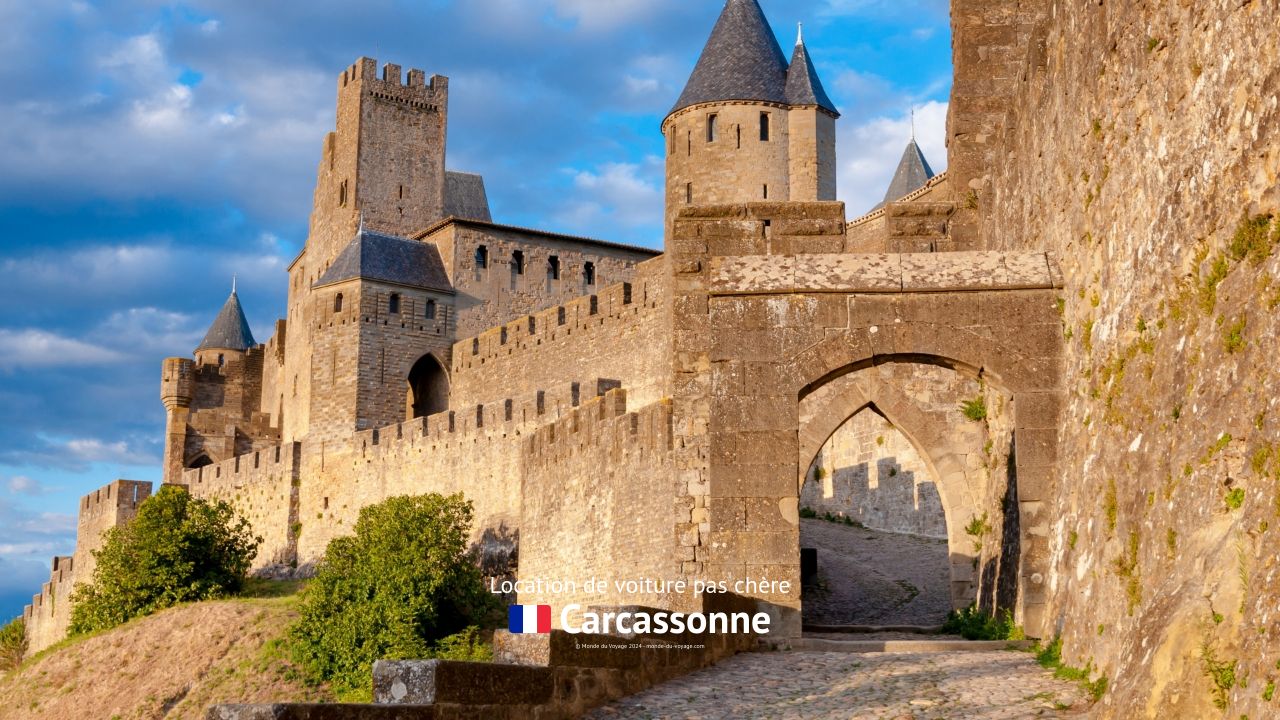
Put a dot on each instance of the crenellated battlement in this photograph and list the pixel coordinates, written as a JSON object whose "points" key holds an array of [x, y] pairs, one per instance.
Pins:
{"points": [[604, 311], [414, 89], [236, 471], [113, 500]]}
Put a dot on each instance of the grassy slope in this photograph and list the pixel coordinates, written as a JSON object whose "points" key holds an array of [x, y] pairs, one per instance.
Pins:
{"points": [[171, 665]]}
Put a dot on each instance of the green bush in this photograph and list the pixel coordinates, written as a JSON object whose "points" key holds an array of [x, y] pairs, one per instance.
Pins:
{"points": [[402, 587], [974, 624], [177, 549], [13, 644]]}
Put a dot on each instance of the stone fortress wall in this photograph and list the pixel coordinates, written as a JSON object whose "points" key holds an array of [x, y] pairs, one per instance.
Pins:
{"points": [[1115, 164], [1140, 143]]}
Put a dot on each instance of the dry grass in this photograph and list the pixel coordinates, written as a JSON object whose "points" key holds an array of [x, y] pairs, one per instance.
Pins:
{"points": [[171, 665]]}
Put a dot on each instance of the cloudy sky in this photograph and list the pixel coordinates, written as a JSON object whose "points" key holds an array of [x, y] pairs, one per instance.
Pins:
{"points": [[149, 150]]}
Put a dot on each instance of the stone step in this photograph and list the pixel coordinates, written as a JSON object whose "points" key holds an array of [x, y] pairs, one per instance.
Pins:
{"points": [[921, 629], [903, 646]]}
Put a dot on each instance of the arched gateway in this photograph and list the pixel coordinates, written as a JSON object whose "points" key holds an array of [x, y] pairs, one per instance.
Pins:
{"points": [[769, 309]]}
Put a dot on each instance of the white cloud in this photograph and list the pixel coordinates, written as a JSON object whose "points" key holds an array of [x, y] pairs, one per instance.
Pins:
{"points": [[92, 450], [167, 111], [23, 485], [150, 331], [629, 195], [31, 348], [869, 153]]}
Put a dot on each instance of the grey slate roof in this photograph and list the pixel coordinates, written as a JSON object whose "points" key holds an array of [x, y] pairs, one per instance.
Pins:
{"points": [[230, 330], [912, 173], [464, 196], [386, 258], [741, 60], [803, 85]]}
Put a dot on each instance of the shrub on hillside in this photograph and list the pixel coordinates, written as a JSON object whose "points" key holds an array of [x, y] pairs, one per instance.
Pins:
{"points": [[177, 549], [13, 644], [402, 587]]}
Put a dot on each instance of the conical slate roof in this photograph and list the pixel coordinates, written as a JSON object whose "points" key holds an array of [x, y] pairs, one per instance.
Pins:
{"points": [[386, 258], [912, 173], [741, 60], [230, 330], [803, 85]]}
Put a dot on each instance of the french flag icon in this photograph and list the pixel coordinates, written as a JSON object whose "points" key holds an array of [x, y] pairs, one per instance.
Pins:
{"points": [[529, 619]]}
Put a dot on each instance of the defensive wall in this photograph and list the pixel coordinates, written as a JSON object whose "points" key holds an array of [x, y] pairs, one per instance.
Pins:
{"points": [[49, 614], [1140, 143], [619, 333]]}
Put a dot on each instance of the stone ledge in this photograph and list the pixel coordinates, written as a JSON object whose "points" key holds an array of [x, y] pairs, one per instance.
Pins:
{"points": [[303, 711], [428, 682], [881, 273]]}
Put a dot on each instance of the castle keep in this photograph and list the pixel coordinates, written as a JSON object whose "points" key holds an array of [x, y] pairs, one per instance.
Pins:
{"points": [[1078, 273]]}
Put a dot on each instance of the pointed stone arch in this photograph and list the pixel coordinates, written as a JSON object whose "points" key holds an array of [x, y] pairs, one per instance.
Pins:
{"points": [[428, 391]]}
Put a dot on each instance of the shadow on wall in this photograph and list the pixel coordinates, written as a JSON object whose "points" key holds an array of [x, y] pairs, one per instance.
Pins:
{"points": [[998, 581], [498, 554], [893, 501]]}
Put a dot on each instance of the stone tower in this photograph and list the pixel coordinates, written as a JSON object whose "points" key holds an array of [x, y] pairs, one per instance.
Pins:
{"points": [[384, 168], [750, 126]]}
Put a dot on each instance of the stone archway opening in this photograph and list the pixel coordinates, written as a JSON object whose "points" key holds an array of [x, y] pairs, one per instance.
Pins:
{"points": [[871, 514], [428, 388], [903, 495]]}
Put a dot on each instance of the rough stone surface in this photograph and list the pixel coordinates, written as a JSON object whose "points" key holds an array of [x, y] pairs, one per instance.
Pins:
{"points": [[821, 685]]}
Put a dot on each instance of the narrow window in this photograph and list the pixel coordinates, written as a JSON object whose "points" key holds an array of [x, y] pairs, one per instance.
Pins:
{"points": [[401, 192], [764, 127], [766, 192], [431, 309], [671, 141], [326, 503], [553, 268], [517, 262], [688, 140], [711, 128], [393, 304], [589, 273], [342, 193], [337, 303], [482, 257], [739, 130], [221, 360], [688, 193]]}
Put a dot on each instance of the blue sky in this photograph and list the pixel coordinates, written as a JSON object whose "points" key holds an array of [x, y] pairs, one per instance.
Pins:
{"points": [[149, 150]]}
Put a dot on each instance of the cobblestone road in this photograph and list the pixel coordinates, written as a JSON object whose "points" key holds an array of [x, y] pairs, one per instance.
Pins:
{"points": [[1001, 685]]}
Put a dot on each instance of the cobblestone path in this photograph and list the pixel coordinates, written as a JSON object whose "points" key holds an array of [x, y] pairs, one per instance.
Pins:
{"points": [[1002, 685]]}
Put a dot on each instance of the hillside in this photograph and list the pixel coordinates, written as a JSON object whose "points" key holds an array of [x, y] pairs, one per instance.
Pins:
{"points": [[171, 665]]}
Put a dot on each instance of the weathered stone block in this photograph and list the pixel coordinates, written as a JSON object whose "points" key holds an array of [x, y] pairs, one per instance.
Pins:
{"points": [[426, 682]]}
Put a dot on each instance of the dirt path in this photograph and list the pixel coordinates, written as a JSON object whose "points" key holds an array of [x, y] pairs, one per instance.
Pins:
{"points": [[867, 577]]}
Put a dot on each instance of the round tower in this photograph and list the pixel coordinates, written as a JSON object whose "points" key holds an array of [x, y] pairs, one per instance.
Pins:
{"points": [[749, 126]]}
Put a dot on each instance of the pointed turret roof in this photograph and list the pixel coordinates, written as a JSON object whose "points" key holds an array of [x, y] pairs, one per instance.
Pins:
{"points": [[230, 330], [803, 85], [741, 60], [912, 173]]}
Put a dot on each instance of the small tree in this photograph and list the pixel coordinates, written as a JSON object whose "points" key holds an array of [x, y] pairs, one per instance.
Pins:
{"points": [[401, 587], [177, 549], [13, 644]]}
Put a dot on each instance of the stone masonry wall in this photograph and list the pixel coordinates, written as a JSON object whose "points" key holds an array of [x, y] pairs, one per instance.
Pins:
{"points": [[870, 472], [1142, 147], [262, 486], [49, 615], [597, 501], [619, 333], [506, 288]]}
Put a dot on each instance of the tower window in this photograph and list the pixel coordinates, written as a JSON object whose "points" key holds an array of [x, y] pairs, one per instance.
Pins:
{"points": [[517, 262], [431, 309], [221, 360], [553, 268], [688, 140], [738, 128], [711, 128], [393, 304], [671, 141], [482, 257], [764, 127], [342, 193], [589, 273], [337, 303], [766, 192], [688, 193]]}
